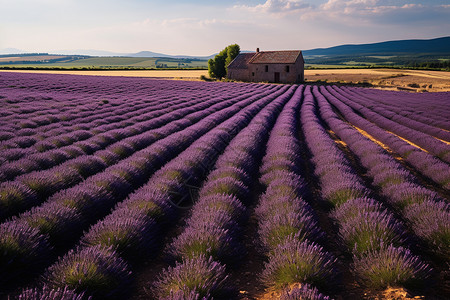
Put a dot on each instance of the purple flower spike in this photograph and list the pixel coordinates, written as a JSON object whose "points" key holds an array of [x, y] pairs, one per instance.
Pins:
{"points": [[98, 271], [405, 194], [391, 266], [131, 234], [281, 226], [61, 223], [225, 186], [370, 230], [299, 262], [227, 203], [15, 197], [22, 249], [202, 276], [355, 207], [303, 292], [47, 293], [431, 222], [210, 241]]}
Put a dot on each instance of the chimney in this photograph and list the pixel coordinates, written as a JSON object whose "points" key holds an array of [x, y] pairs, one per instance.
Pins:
{"points": [[257, 50]]}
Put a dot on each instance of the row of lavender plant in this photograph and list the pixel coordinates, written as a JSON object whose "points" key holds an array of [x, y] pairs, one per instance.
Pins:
{"points": [[29, 142], [288, 227], [425, 141], [28, 190], [386, 110], [99, 121], [53, 122], [98, 125], [21, 161], [212, 237], [413, 106], [63, 215], [426, 163], [427, 214], [138, 125], [131, 230], [371, 232], [70, 106]]}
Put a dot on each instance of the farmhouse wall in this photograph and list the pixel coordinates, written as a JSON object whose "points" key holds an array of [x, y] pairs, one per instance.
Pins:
{"points": [[238, 74], [258, 73]]}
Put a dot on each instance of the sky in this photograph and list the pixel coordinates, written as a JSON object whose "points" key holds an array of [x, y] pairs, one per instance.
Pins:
{"points": [[204, 27]]}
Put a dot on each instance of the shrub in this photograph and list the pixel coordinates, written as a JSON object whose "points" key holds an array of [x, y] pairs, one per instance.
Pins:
{"points": [[23, 250], [15, 197], [299, 262], [281, 226], [131, 234], [96, 270], [390, 267], [370, 230], [202, 276]]}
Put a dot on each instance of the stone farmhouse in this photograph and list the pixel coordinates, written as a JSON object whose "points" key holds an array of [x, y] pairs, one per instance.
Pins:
{"points": [[268, 66]]}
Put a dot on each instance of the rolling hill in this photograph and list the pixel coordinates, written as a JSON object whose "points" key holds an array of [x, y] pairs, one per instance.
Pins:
{"points": [[401, 47]]}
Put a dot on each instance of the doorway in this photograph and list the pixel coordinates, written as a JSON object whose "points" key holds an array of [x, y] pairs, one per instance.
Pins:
{"points": [[276, 77]]}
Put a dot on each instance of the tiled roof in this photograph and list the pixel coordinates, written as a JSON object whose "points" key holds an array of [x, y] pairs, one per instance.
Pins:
{"points": [[275, 57], [241, 61]]}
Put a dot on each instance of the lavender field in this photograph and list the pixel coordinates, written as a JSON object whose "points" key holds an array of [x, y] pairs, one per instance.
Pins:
{"points": [[133, 188]]}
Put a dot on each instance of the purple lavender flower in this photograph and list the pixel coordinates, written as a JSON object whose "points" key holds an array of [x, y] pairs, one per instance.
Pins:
{"points": [[130, 233], [405, 194], [108, 157], [86, 165], [226, 203], [122, 149], [96, 270], [180, 295], [61, 223], [151, 203], [390, 266], [117, 186], [340, 190], [299, 262], [22, 250], [233, 172], [431, 221], [199, 275], [15, 197], [370, 231], [355, 207], [303, 292], [280, 226], [47, 293], [207, 239], [225, 186], [86, 198]]}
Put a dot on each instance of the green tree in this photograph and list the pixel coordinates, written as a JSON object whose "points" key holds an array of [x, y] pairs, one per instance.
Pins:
{"points": [[217, 66]]}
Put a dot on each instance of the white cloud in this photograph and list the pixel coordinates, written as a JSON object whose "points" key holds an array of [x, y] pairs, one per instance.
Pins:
{"points": [[277, 7]]}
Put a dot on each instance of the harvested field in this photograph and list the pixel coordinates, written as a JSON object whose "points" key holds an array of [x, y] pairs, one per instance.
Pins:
{"points": [[409, 80]]}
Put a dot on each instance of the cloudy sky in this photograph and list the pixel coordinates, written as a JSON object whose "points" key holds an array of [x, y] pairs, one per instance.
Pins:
{"points": [[203, 27]]}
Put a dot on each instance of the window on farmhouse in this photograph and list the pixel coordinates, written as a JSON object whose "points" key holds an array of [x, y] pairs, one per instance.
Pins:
{"points": [[267, 68], [253, 73], [287, 69]]}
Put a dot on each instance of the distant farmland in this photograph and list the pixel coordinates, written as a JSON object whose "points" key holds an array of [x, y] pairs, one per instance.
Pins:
{"points": [[75, 61]]}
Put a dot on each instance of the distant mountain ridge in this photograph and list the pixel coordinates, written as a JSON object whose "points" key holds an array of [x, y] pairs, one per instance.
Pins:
{"points": [[405, 47], [430, 46]]}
